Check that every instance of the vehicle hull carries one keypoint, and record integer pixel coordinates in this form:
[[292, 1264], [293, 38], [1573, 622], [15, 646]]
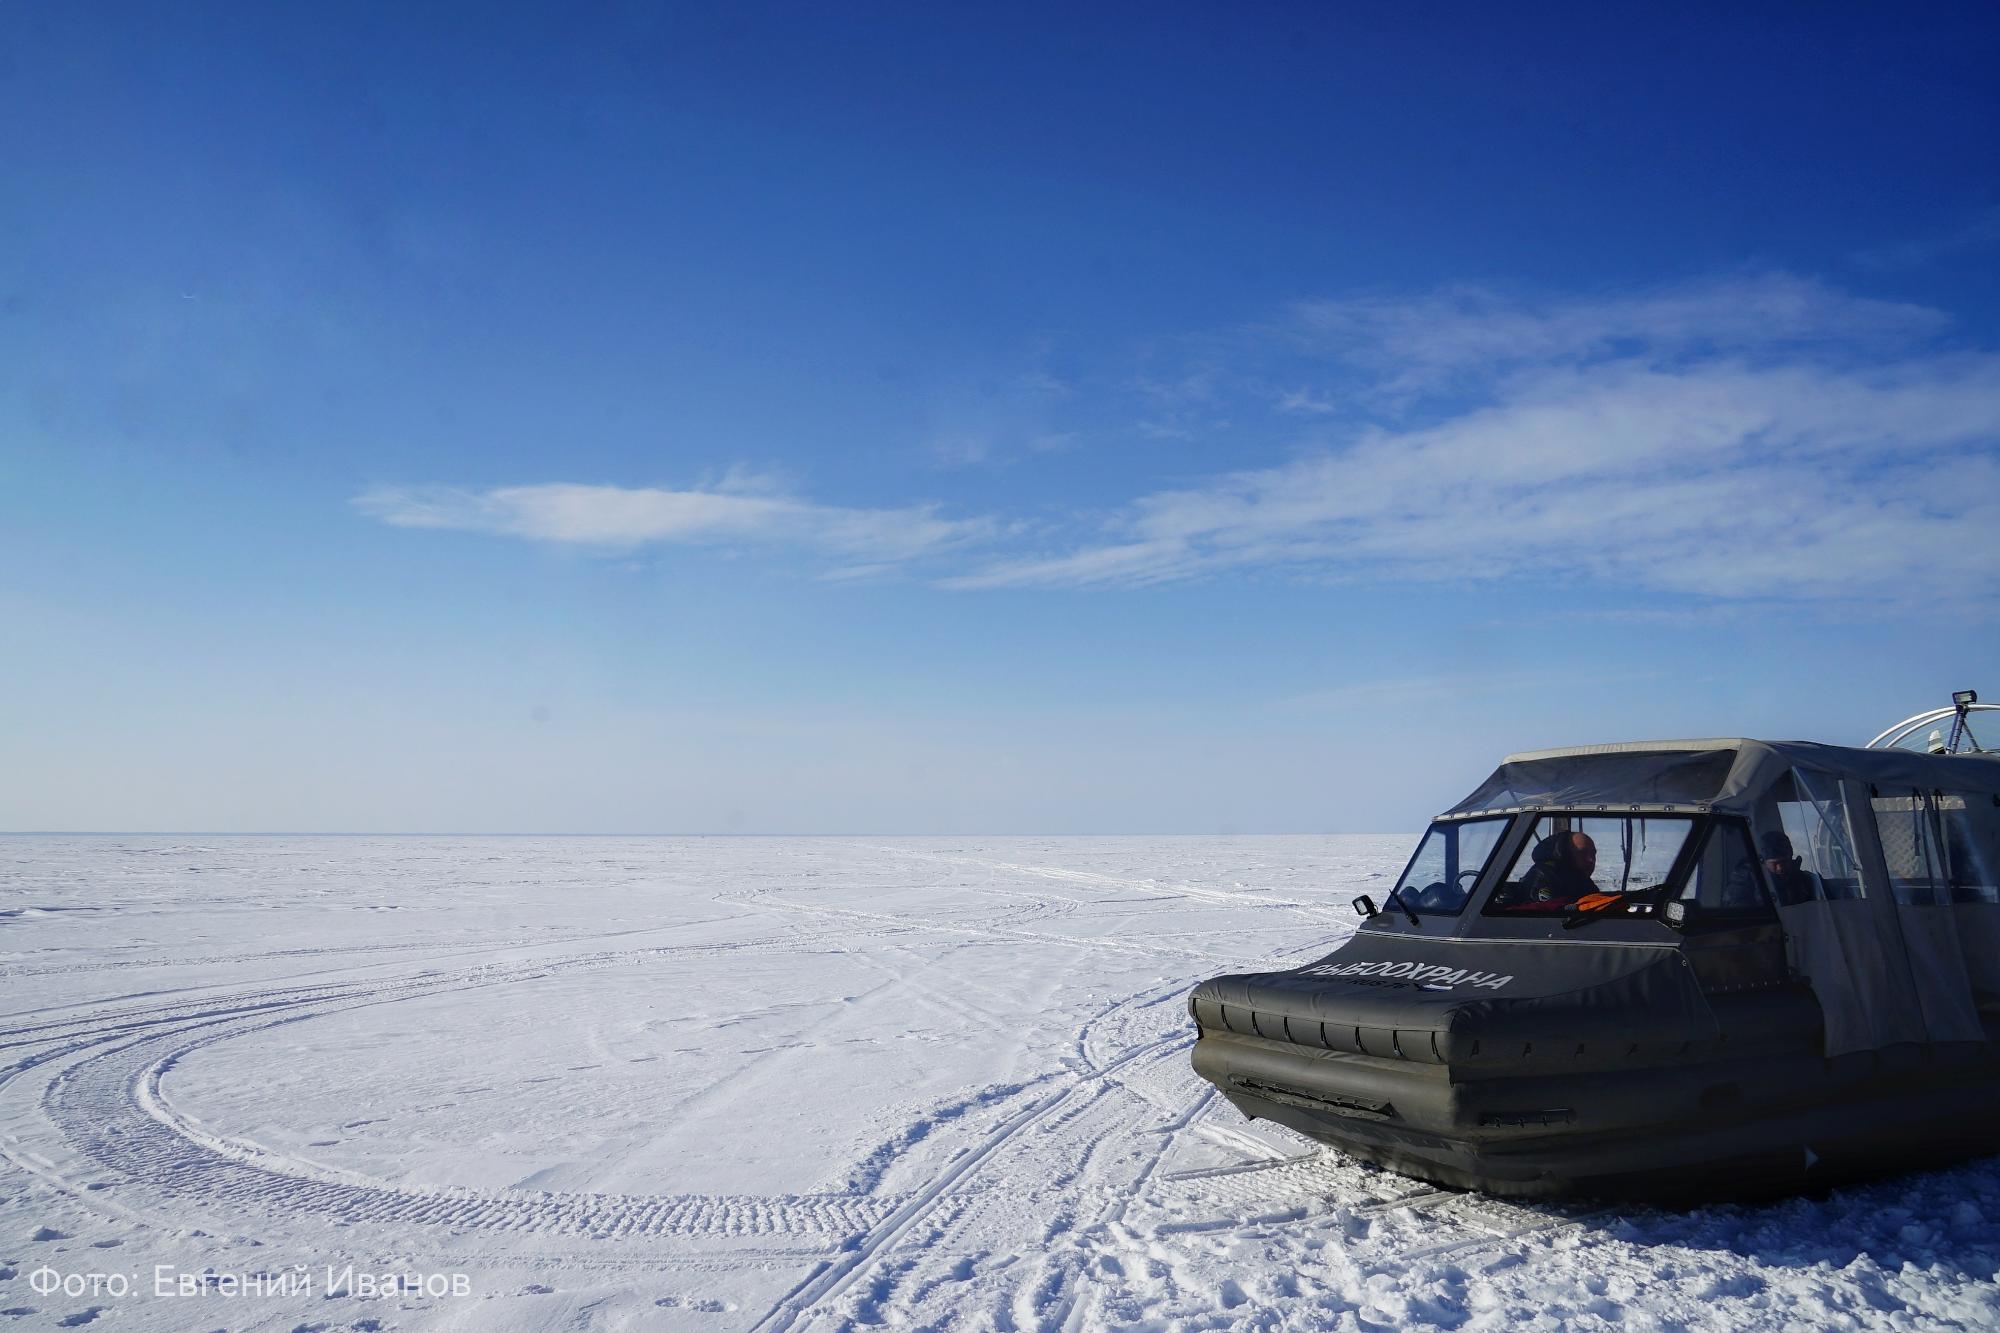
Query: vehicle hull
[[1823, 1130]]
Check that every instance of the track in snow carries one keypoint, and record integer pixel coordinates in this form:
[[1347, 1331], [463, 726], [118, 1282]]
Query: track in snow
[[108, 1104]]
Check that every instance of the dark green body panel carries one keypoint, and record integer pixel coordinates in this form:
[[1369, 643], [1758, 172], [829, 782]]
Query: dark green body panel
[[1685, 1069]]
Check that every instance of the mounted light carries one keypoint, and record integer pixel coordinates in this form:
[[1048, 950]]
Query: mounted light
[[1964, 699], [1675, 914]]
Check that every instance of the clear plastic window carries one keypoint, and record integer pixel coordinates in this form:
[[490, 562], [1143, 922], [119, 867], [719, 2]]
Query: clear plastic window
[[1447, 864], [1727, 879], [1572, 859], [1803, 841]]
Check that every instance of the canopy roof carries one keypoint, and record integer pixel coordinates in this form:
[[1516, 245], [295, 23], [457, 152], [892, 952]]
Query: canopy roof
[[1727, 774]]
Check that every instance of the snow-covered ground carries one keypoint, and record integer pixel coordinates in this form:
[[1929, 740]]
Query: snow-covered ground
[[776, 1084]]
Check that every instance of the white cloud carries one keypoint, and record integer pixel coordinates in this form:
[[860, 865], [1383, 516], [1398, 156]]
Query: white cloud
[[1755, 438], [1131, 563], [618, 517], [1763, 437], [1471, 332]]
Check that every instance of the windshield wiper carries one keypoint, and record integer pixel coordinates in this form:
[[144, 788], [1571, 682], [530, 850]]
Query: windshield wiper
[[1396, 897]]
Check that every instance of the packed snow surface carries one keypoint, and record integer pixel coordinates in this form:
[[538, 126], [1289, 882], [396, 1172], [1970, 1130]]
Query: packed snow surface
[[785, 1083]]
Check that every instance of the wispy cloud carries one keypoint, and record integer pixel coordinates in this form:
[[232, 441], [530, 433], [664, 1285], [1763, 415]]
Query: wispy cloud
[[961, 451], [622, 518], [1001, 419], [1474, 334], [1307, 402], [1750, 438], [1762, 438]]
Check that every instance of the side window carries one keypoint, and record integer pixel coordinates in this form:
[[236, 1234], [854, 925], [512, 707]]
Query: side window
[[1804, 843], [1906, 823], [1727, 880], [1970, 825]]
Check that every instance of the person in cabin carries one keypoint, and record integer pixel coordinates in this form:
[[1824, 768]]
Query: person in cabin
[[1563, 866], [1790, 881]]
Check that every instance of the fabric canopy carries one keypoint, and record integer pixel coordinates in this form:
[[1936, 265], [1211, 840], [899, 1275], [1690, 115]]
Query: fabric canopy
[[1728, 775], [1900, 937]]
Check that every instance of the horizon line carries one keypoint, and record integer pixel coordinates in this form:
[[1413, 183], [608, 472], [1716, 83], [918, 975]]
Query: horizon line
[[353, 833]]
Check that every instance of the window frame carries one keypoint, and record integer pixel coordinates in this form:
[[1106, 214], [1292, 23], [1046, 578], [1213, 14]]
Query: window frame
[[1816, 795], [1505, 821], [1648, 900], [1765, 913]]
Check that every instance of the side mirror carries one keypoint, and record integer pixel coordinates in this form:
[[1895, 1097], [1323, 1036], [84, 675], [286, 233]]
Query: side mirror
[[1678, 914], [1365, 905]]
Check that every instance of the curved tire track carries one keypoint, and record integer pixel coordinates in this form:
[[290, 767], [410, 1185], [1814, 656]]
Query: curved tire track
[[110, 1108]]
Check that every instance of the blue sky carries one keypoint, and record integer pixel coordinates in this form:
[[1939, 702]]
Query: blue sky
[[943, 419]]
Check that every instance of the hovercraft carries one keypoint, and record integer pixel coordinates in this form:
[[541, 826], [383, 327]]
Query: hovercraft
[[1674, 968]]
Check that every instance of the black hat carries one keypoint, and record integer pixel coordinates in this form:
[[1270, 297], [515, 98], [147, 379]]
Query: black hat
[[1777, 847]]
